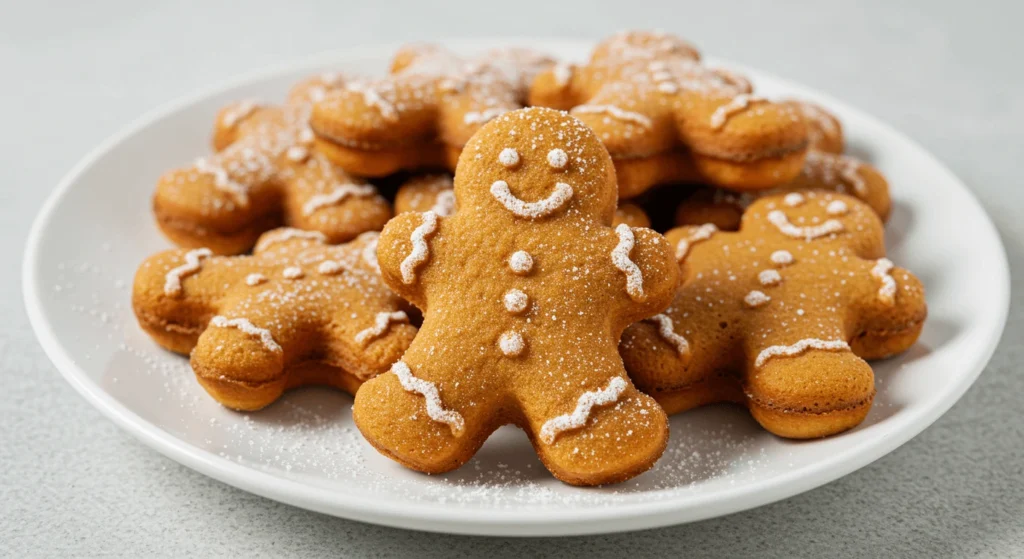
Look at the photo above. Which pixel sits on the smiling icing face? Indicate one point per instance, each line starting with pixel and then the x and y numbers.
pixel 537 182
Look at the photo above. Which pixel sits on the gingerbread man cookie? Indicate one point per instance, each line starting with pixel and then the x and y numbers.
pixel 780 316
pixel 666 118
pixel 299 311
pixel 525 291
pixel 822 171
pixel 436 193
pixel 422 114
pixel 265 174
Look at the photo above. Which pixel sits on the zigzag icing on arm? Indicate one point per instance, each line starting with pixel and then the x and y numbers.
pixel 666 329
pixel 881 272
pixel 420 248
pixel 380 325
pixel 193 263
pixel 621 260
pixel 702 233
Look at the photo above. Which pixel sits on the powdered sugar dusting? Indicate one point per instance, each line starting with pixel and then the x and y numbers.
pixel 798 348
pixel 584 405
pixel 621 260
pixel 381 323
pixel 255 279
pixel 435 409
pixel 370 252
pixel 829 168
pixel 420 249
pixel 193 263
pixel 238 112
pixel 373 98
pixel 249 328
pixel 531 210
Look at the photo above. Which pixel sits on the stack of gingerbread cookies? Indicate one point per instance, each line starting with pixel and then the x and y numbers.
pixel 514 279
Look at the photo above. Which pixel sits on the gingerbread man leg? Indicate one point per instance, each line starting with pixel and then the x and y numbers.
pixel 892 320
pixel 603 432
pixel 320 197
pixel 241 357
pixel 811 388
pixel 421 417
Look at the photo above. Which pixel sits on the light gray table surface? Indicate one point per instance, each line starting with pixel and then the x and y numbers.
pixel 949 74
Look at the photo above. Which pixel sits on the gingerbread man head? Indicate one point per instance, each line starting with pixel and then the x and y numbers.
pixel 263 175
pixel 664 117
pixel 780 316
pixel 422 114
pixel 525 291
pixel 299 311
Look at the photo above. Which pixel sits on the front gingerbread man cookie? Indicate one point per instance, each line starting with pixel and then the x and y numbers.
pixel 525 292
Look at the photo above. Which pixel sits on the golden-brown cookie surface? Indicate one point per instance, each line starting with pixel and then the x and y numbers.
pixel 665 117
pixel 780 316
pixel 265 174
pixel 424 112
pixel 525 291
pixel 298 311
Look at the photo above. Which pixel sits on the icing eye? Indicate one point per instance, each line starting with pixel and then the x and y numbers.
pixel 557 159
pixel 509 157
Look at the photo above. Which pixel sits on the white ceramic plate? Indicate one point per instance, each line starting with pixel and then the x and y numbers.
pixel 304 450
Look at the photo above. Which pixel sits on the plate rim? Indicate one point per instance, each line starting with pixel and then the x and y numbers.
pixel 468 520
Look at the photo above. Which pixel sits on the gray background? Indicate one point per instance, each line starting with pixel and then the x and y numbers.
pixel 947 73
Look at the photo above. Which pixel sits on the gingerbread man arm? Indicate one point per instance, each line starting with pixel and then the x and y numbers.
pixel 645 258
pixel 225 200
pixel 741 127
pixel 404 251
pixel 321 197
pixel 629 123
pixel 176 292
pixel 891 307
